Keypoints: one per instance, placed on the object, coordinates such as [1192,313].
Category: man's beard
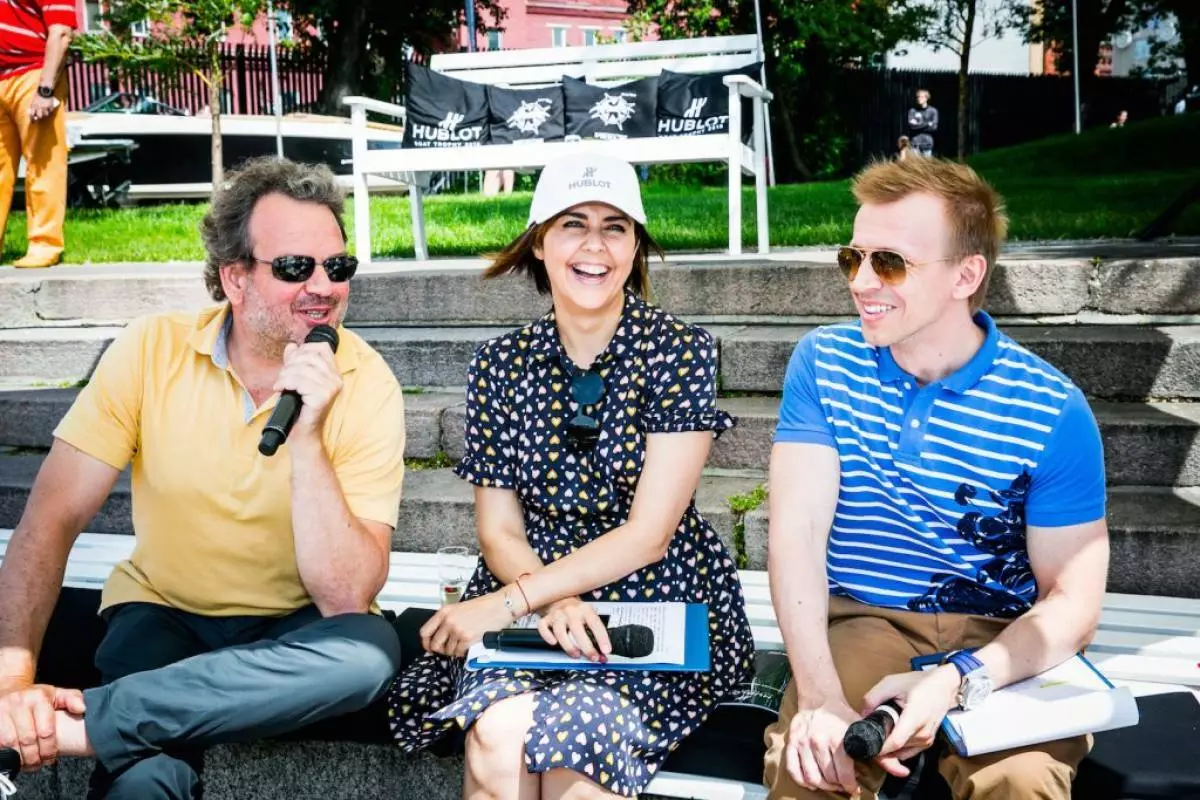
[273,328]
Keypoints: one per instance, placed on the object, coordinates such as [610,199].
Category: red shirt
[23,26]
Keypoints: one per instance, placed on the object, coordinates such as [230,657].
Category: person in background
[903,148]
[497,180]
[1122,118]
[586,433]
[934,488]
[922,124]
[245,609]
[34,35]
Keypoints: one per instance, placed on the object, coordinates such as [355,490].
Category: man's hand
[42,107]
[814,755]
[926,697]
[27,721]
[454,628]
[310,370]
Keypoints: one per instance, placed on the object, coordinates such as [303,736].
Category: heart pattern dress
[614,726]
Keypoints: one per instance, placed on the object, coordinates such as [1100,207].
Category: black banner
[611,112]
[444,111]
[516,115]
[693,105]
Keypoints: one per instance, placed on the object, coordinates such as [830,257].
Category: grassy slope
[1104,183]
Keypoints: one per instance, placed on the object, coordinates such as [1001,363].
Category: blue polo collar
[966,376]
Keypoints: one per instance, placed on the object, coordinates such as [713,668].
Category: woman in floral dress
[586,434]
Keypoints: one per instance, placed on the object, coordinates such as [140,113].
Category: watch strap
[964,661]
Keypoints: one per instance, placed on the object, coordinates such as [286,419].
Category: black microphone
[284,416]
[10,762]
[865,738]
[631,641]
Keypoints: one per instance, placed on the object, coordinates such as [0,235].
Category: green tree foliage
[809,44]
[367,41]
[184,36]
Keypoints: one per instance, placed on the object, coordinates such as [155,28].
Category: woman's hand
[568,622]
[454,628]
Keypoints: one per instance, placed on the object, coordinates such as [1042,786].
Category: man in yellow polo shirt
[259,571]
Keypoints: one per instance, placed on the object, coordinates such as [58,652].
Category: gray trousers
[176,682]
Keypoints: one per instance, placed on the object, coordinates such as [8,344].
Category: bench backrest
[603,64]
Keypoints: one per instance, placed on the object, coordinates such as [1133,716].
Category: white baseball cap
[586,178]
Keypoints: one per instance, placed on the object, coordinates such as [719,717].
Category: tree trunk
[964,81]
[347,33]
[1187,16]
[216,80]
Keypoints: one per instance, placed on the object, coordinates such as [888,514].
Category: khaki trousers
[44,145]
[869,643]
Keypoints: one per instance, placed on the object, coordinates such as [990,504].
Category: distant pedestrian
[1121,119]
[922,123]
[903,148]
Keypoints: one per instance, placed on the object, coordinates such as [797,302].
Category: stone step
[1145,444]
[1106,361]
[699,288]
[1155,531]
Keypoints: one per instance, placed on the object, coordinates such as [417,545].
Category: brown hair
[974,210]
[518,256]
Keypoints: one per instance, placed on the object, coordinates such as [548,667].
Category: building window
[1141,50]
[618,35]
[589,36]
[558,36]
[140,28]
[494,40]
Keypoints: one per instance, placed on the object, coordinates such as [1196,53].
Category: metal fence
[247,87]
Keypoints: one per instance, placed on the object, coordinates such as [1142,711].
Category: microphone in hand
[288,409]
[630,641]
[864,739]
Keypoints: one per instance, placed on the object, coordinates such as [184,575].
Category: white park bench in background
[602,65]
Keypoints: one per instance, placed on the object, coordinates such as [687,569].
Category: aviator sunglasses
[297,269]
[891,267]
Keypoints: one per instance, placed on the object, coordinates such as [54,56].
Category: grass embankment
[1103,183]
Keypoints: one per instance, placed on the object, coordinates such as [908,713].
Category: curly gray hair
[225,229]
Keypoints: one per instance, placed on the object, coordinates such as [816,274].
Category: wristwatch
[976,684]
[45,91]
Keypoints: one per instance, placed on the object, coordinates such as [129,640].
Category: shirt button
[915,423]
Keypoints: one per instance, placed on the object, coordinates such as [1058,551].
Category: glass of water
[455,565]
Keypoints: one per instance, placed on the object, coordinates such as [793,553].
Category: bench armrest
[378,106]
[746,87]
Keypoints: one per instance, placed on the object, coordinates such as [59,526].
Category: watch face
[45,91]
[975,689]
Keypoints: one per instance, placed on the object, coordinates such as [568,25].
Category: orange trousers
[868,643]
[44,146]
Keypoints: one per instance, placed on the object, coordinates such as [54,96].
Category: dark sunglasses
[587,388]
[888,265]
[297,269]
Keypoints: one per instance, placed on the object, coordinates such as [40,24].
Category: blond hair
[974,209]
[518,256]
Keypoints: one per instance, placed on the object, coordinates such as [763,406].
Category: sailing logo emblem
[697,105]
[613,110]
[453,120]
[530,117]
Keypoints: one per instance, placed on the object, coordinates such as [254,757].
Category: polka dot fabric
[614,726]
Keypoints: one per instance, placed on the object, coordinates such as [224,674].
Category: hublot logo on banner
[446,133]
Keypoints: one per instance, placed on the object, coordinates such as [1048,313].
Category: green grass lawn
[1104,183]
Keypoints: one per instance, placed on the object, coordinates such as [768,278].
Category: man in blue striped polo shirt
[935,487]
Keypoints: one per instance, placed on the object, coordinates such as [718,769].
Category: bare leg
[567,784]
[496,753]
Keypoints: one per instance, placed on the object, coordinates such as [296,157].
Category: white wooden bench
[1151,644]
[601,65]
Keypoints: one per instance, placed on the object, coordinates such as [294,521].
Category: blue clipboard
[696,654]
[934,659]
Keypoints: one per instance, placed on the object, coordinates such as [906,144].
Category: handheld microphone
[864,739]
[10,762]
[284,416]
[630,641]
